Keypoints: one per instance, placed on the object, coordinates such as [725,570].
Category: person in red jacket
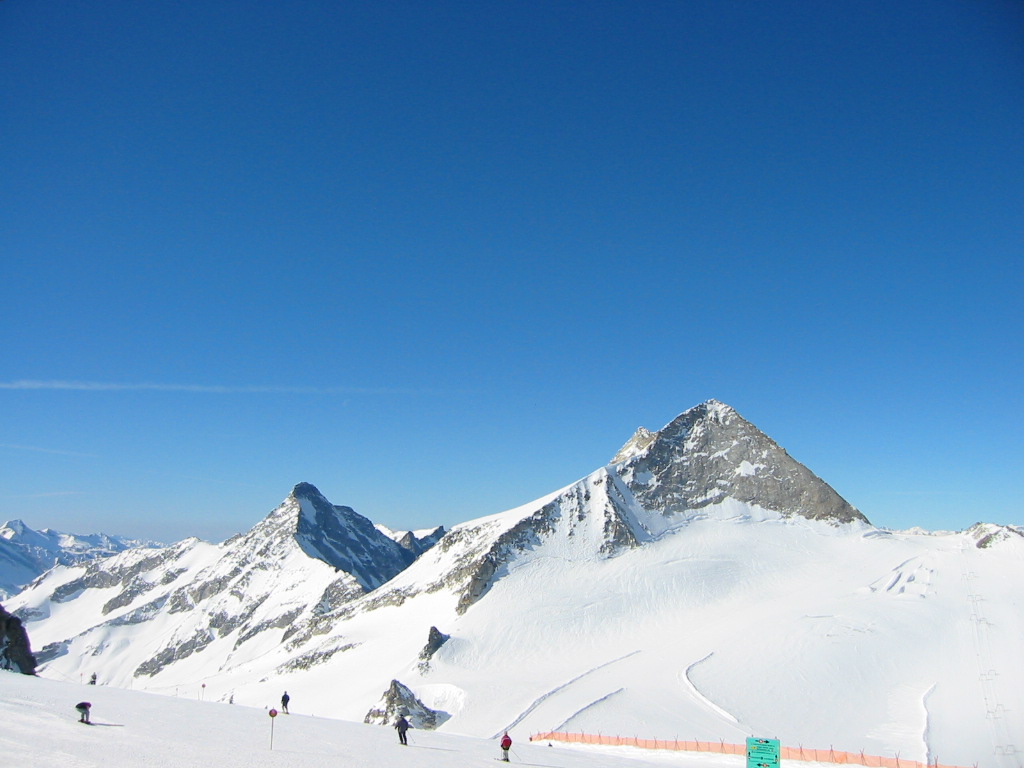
[506,745]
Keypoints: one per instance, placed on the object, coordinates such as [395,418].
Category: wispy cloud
[37,449]
[47,495]
[214,389]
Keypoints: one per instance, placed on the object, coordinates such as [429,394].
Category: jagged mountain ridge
[26,553]
[305,557]
[655,482]
[710,452]
[340,537]
[560,612]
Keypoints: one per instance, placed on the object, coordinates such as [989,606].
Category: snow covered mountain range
[26,554]
[702,585]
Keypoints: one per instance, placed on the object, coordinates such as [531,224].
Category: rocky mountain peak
[338,536]
[636,444]
[12,528]
[709,453]
[306,491]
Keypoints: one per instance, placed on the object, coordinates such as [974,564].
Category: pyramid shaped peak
[709,453]
[337,535]
[306,490]
[642,438]
[711,404]
[714,411]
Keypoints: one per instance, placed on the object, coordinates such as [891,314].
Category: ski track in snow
[700,696]
[925,736]
[41,731]
[543,697]
[580,711]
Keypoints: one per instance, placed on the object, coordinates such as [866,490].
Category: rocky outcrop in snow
[986,535]
[399,700]
[15,649]
[435,639]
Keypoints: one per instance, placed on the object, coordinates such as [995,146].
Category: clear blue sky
[442,258]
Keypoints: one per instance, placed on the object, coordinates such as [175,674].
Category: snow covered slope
[135,730]
[703,585]
[137,614]
[26,553]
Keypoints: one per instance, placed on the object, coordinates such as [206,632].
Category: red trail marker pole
[273,714]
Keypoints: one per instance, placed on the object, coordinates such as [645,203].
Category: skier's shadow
[438,749]
[110,725]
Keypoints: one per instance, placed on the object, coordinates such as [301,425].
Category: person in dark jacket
[284,702]
[83,708]
[506,745]
[402,725]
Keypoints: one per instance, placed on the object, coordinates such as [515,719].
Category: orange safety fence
[721,747]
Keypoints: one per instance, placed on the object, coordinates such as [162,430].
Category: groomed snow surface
[732,624]
[133,729]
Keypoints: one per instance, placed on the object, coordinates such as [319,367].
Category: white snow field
[655,597]
[133,729]
[848,637]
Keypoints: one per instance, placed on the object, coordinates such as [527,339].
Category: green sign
[762,753]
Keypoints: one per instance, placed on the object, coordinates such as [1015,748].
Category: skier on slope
[506,745]
[284,702]
[402,725]
[83,708]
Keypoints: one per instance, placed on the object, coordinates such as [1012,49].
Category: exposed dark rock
[102,574]
[52,651]
[194,644]
[339,592]
[128,595]
[141,614]
[710,453]
[313,658]
[417,546]
[284,621]
[435,639]
[399,700]
[986,535]
[15,649]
